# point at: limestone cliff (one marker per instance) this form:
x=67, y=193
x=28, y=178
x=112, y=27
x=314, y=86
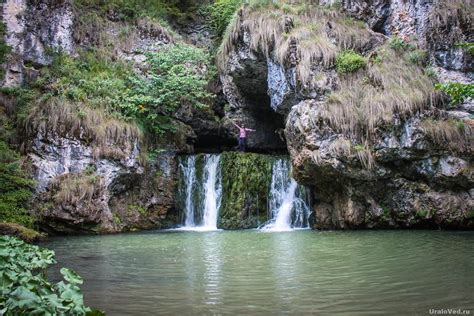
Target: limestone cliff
x=94, y=170
x=364, y=125
x=346, y=87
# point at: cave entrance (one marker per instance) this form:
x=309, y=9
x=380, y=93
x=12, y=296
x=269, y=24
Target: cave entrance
x=252, y=84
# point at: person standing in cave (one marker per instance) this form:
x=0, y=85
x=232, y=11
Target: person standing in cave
x=243, y=136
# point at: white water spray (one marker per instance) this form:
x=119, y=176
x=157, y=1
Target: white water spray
x=189, y=176
x=287, y=204
x=212, y=191
x=202, y=197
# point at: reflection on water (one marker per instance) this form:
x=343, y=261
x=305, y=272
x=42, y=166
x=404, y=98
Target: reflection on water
x=212, y=273
x=252, y=272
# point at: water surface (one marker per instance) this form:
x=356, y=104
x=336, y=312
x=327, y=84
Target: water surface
x=255, y=272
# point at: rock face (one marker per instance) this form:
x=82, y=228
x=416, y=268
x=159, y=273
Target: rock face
x=246, y=81
x=370, y=165
x=31, y=37
x=378, y=147
x=438, y=25
x=77, y=193
x=245, y=185
x=88, y=183
x=411, y=182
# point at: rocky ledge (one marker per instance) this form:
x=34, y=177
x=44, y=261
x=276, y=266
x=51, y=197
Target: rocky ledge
x=378, y=145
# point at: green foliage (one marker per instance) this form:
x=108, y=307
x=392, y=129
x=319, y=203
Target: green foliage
x=245, y=185
x=398, y=44
x=154, y=154
x=91, y=78
x=459, y=92
x=386, y=215
x=348, y=62
x=25, y=290
x=15, y=183
x=178, y=76
x=470, y=214
x=221, y=13
x=421, y=214
x=430, y=72
x=4, y=48
x=15, y=188
x=359, y=147
x=469, y=47
x=129, y=10
x=418, y=57
x=139, y=208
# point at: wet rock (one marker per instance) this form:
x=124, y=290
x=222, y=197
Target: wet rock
x=245, y=185
x=403, y=188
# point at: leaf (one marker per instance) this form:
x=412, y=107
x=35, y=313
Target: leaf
x=95, y=312
x=71, y=276
x=22, y=298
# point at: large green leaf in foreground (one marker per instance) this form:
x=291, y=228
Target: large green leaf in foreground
x=24, y=288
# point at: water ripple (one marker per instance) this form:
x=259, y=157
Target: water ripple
x=250, y=272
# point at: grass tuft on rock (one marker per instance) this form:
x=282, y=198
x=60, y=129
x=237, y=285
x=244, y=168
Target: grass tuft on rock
x=349, y=62
x=452, y=134
x=317, y=33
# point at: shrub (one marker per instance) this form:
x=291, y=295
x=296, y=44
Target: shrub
x=349, y=62
x=418, y=57
x=178, y=76
x=25, y=290
x=397, y=43
x=221, y=13
x=15, y=188
x=430, y=73
x=92, y=78
x=458, y=92
x=421, y=214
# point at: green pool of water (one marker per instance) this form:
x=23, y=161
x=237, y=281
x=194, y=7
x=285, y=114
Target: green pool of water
x=253, y=272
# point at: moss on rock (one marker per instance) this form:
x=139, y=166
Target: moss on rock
x=245, y=185
x=26, y=234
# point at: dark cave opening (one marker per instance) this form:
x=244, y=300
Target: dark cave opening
x=252, y=84
x=254, y=111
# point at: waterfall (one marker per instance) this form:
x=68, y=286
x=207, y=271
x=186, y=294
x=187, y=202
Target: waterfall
x=188, y=170
x=200, y=191
x=288, y=205
x=212, y=191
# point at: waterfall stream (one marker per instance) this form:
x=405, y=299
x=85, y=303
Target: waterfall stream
x=189, y=175
x=212, y=191
x=288, y=202
x=201, y=192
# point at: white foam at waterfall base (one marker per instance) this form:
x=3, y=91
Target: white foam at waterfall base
x=284, y=201
x=211, y=193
